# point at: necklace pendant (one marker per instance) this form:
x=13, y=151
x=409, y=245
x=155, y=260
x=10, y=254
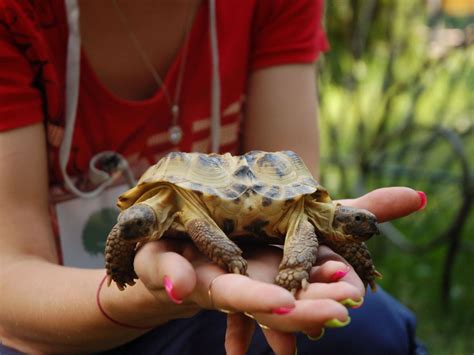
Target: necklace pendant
x=175, y=134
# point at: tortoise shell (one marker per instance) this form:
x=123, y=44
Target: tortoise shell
x=279, y=176
x=215, y=200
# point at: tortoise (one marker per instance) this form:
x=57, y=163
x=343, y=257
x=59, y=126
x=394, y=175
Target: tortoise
x=218, y=200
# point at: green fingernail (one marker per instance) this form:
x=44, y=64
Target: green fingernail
x=316, y=338
x=349, y=302
x=336, y=323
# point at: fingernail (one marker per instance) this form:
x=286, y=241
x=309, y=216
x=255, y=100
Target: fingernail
x=169, y=290
x=281, y=310
x=349, y=302
x=317, y=337
x=339, y=275
x=423, y=200
x=336, y=323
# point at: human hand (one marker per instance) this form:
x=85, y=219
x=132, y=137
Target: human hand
x=176, y=272
x=190, y=275
x=387, y=204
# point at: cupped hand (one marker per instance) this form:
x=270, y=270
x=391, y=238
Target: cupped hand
x=176, y=273
x=387, y=204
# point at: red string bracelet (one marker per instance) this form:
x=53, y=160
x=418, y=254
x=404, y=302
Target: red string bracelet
x=109, y=317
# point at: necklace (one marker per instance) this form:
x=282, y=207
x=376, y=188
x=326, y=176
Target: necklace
x=175, y=133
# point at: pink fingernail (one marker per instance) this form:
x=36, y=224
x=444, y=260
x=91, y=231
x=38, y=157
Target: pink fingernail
x=339, y=275
x=169, y=290
x=423, y=200
x=281, y=310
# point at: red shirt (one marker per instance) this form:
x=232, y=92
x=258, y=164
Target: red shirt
x=251, y=35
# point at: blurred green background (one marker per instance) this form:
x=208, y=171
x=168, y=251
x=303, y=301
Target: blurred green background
x=397, y=108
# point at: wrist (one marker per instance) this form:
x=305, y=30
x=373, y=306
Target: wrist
x=108, y=316
x=136, y=307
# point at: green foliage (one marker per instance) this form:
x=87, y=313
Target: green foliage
x=397, y=108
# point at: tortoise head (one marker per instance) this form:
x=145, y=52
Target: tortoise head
x=356, y=223
x=137, y=222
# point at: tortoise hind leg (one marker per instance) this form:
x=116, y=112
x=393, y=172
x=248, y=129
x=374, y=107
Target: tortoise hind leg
x=299, y=256
x=119, y=255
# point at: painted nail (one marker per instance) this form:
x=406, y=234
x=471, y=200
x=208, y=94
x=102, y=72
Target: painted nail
x=169, y=290
x=423, y=200
x=317, y=337
x=339, y=275
x=281, y=310
x=336, y=323
x=349, y=302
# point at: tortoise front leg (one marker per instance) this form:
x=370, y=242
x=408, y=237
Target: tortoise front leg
x=119, y=255
x=213, y=243
x=299, y=256
x=358, y=255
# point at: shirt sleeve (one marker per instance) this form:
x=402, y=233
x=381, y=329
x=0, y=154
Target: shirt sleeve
x=20, y=101
x=287, y=31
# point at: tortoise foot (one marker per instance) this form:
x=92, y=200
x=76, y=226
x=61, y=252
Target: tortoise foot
x=119, y=255
x=237, y=265
x=293, y=279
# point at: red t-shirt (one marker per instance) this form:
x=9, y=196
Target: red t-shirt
x=252, y=34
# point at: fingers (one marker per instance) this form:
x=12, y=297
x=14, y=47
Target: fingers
x=239, y=293
x=390, y=202
x=307, y=316
x=332, y=267
x=280, y=342
x=161, y=269
x=238, y=334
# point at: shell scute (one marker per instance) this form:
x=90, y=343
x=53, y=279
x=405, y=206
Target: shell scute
x=279, y=175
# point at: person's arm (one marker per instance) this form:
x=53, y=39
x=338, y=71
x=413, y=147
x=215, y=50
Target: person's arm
x=45, y=306
x=281, y=112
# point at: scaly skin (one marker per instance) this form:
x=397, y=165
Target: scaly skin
x=119, y=255
x=213, y=243
x=298, y=258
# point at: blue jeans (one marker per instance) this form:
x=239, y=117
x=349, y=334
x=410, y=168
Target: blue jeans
x=381, y=326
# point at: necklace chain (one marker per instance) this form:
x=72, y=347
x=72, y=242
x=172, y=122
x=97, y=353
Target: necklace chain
x=175, y=133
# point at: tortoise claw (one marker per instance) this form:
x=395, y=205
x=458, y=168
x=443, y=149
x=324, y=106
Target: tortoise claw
x=304, y=287
x=238, y=266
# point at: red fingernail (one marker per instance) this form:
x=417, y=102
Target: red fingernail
x=281, y=310
x=169, y=290
x=423, y=200
x=339, y=275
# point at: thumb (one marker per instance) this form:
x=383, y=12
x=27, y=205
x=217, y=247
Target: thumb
x=390, y=202
x=158, y=267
